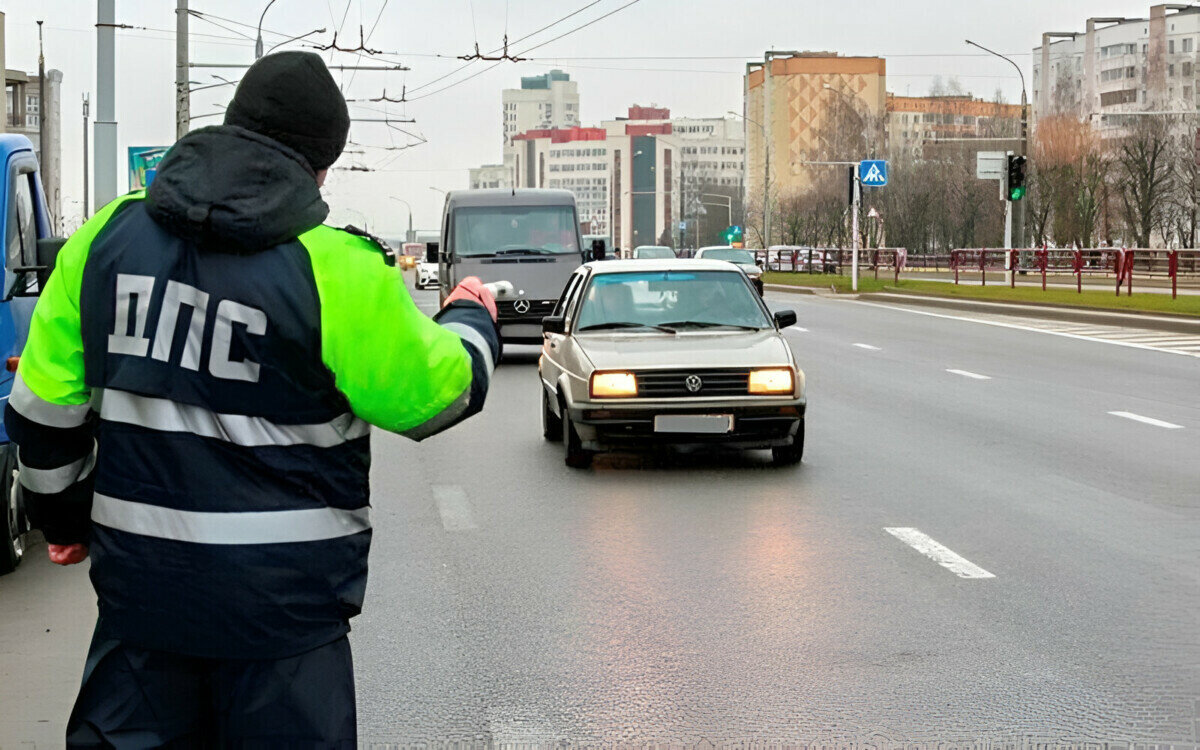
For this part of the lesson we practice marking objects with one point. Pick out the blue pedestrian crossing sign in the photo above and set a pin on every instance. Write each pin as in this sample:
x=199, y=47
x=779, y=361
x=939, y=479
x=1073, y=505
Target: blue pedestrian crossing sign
x=873, y=172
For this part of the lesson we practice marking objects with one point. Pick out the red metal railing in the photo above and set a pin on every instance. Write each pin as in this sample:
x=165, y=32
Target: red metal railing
x=1122, y=264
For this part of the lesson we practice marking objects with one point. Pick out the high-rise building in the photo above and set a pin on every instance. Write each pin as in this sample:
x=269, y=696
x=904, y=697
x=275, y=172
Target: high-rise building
x=915, y=123
x=810, y=107
x=1119, y=69
x=490, y=176
x=547, y=101
x=24, y=111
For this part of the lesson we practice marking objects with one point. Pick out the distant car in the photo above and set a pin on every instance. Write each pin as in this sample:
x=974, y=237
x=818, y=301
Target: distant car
x=652, y=252
x=810, y=259
x=668, y=352
x=743, y=259
x=410, y=254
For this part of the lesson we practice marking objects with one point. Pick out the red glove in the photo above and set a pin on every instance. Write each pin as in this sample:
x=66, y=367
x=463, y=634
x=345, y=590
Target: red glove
x=472, y=289
x=68, y=554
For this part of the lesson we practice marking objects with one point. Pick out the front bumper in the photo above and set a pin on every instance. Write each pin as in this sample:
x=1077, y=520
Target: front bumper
x=603, y=426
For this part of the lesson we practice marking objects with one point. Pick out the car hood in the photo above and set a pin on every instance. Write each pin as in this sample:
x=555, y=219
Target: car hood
x=617, y=351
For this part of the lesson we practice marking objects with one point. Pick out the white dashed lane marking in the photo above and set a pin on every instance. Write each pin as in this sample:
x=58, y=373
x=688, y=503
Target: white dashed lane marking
x=1136, y=338
x=868, y=347
x=972, y=375
x=940, y=554
x=454, y=508
x=1146, y=420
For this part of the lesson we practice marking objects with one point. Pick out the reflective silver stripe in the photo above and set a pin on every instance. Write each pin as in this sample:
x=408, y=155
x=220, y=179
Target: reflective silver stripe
x=171, y=416
x=254, y=527
x=475, y=339
x=36, y=409
x=442, y=419
x=53, y=481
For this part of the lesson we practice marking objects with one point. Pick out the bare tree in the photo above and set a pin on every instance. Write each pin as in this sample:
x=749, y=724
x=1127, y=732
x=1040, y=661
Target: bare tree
x=1143, y=177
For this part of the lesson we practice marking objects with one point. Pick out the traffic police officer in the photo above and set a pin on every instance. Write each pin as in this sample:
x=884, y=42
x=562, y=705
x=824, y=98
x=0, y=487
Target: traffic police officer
x=192, y=409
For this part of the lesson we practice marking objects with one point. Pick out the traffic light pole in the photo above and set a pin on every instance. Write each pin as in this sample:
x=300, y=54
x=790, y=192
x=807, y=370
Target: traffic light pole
x=857, y=189
x=1008, y=241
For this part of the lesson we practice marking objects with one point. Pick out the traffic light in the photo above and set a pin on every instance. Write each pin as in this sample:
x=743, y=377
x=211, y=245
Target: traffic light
x=1016, y=177
x=733, y=235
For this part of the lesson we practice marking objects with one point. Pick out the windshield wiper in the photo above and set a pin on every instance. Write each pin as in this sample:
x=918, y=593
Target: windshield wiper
x=523, y=251
x=625, y=324
x=708, y=324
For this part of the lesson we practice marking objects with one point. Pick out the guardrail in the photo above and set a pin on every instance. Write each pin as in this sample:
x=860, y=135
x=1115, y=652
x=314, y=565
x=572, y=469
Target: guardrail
x=1119, y=263
x=833, y=260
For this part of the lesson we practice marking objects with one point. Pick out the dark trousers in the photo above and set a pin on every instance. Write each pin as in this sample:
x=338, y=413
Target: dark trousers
x=134, y=698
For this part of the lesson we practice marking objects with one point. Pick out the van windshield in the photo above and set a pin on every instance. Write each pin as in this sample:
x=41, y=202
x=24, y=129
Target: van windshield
x=515, y=230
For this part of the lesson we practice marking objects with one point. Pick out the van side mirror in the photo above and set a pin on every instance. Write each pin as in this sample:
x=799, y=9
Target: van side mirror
x=784, y=318
x=47, y=255
x=554, y=324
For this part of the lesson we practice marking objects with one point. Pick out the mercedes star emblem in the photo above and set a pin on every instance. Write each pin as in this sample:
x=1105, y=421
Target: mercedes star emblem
x=693, y=383
x=521, y=306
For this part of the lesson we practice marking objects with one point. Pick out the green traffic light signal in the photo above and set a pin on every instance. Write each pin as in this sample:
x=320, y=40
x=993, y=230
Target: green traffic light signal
x=1017, y=193
x=1016, y=177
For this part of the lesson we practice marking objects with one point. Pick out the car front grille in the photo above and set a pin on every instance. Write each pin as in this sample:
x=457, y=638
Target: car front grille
x=508, y=312
x=674, y=383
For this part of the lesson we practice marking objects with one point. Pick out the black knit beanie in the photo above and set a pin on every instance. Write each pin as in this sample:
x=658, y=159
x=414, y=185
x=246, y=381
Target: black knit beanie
x=291, y=97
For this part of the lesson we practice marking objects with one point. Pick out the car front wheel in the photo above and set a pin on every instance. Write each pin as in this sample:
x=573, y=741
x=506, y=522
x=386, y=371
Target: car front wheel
x=790, y=455
x=12, y=527
x=552, y=428
x=577, y=457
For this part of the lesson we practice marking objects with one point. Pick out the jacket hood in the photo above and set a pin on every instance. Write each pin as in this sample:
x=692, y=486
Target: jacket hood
x=233, y=189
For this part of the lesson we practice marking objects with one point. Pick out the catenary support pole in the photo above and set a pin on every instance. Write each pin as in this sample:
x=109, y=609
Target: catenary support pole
x=105, y=172
x=183, y=97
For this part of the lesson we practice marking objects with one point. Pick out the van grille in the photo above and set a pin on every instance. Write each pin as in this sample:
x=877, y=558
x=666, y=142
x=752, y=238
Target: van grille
x=673, y=383
x=507, y=311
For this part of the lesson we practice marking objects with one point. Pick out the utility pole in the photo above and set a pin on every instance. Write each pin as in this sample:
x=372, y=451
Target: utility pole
x=86, y=184
x=856, y=192
x=43, y=142
x=183, y=103
x=106, y=102
x=1018, y=212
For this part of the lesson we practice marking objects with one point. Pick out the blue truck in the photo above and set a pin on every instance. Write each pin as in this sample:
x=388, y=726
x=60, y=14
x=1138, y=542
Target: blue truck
x=30, y=250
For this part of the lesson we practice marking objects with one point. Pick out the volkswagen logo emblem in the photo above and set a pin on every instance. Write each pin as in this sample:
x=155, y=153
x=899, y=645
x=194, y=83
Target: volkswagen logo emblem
x=693, y=383
x=521, y=306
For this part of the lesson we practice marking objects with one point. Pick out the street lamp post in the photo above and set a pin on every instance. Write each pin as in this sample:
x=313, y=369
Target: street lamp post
x=409, y=236
x=766, y=177
x=258, y=43
x=1018, y=211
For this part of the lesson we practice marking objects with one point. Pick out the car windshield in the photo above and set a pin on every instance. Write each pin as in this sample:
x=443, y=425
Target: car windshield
x=676, y=299
x=654, y=252
x=733, y=255
x=500, y=230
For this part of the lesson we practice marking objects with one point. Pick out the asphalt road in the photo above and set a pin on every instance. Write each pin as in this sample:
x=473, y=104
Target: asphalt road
x=684, y=598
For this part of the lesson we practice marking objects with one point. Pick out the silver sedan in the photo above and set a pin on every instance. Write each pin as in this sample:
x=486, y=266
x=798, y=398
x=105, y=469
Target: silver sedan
x=644, y=353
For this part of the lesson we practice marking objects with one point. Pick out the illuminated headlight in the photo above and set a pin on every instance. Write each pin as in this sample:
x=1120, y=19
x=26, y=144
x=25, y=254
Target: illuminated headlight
x=775, y=380
x=613, y=385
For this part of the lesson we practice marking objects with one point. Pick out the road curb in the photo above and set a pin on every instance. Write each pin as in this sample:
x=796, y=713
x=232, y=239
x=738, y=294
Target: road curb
x=789, y=289
x=1091, y=315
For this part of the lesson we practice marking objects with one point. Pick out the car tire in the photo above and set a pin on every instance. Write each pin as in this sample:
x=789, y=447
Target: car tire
x=790, y=454
x=552, y=428
x=12, y=519
x=576, y=456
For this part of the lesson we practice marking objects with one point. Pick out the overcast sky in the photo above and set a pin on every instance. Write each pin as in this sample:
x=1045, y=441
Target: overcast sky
x=610, y=60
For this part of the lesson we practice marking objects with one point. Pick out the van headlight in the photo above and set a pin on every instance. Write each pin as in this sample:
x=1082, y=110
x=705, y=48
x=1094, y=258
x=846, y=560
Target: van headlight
x=613, y=385
x=775, y=380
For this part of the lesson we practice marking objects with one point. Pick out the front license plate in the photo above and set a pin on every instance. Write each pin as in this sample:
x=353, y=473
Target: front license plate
x=708, y=424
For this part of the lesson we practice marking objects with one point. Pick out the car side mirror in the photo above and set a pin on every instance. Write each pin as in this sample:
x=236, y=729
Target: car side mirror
x=784, y=318
x=554, y=324
x=47, y=255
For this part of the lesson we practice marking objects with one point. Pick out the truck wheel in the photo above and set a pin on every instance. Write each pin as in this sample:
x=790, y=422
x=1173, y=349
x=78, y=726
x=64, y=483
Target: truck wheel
x=577, y=457
x=790, y=455
x=12, y=520
x=552, y=428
